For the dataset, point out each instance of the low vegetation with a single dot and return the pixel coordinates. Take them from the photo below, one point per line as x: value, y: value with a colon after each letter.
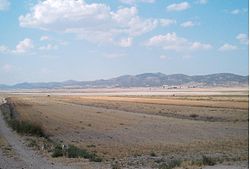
x: 74, y: 152
x: 32, y: 129
x: 152, y: 154
x: 57, y: 151
x: 170, y: 165
x: 208, y: 160
x: 25, y: 127
x: 22, y: 127
x: 194, y: 115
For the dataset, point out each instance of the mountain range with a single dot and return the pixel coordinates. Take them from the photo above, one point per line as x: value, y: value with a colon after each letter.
x: 143, y: 80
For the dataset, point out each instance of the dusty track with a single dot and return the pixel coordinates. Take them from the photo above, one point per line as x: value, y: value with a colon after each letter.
x: 25, y: 157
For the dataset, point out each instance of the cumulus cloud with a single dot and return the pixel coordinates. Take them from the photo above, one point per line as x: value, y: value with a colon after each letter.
x: 171, y: 41
x: 131, y: 2
x: 95, y: 22
x: 127, y: 42
x: 48, y: 47
x: 4, y: 5
x: 167, y: 22
x: 199, y: 45
x: 24, y: 45
x: 243, y: 38
x: 187, y: 24
x: 178, y: 6
x: 227, y: 47
x: 44, y: 38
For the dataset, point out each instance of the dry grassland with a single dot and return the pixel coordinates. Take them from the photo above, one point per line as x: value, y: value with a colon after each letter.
x: 124, y: 127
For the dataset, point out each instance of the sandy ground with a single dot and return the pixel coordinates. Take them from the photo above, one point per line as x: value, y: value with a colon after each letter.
x: 127, y: 128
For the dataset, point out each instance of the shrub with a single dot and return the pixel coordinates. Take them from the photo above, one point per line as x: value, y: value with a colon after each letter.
x: 91, y: 145
x: 153, y: 154
x: 25, y: 127
x: 22, y: 127
x: 194, y: 115
x: 208, y: 161
x: 116, y: 166
x: 32, y: 143
x: 75, y: 152
x: 170, y: 165
x: 57, y: 151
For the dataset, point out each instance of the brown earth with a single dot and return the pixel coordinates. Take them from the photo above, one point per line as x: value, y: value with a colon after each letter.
x: 130, y: 128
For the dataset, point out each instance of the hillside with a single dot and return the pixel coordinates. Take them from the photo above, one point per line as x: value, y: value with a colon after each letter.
x: 144, y: 80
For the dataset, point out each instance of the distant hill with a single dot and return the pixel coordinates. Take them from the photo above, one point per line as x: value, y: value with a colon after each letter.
x: 144, y: 80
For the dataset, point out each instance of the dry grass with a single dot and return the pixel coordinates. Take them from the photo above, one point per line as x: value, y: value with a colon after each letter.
x: 124, y: 126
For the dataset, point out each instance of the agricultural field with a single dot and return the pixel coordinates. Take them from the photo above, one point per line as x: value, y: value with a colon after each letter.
x: 145, y: 131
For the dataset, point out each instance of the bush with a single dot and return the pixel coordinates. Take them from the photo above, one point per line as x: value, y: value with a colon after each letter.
x: 116, y: 166
x: 22, y: 127
x: 153, y: 154
x: 208, y: 161
x: 170, y: 165
x: 32, y: 143
x: 25, y: 127
x: 57, y: 151
x: 75, y: 152
x: 194, y: 115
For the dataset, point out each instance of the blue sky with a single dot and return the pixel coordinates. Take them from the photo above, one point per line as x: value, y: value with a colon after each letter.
x: 57, y: 40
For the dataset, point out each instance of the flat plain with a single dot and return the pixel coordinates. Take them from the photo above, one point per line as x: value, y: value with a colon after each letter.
x: 133, y: 129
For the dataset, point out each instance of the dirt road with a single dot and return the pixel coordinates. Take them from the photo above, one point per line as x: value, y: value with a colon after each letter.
x: 23, y: 157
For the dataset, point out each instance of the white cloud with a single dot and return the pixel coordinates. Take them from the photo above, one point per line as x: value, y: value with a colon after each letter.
x: 24, y: 45
x: 85, y: 20
x: 171, y: 41
x: 167, y: 22
x: 198, y: 45
x: 235, y: 11
x: 238, y: 11
x: 132, y: 2
x: 178, y: 6
x: 227, y: 47
x: 44, y: 38
x: 187, y: 24
x: 126, y: 42
x: 243, y: 38
x: 4, y: 5
x: 7, y: 68
x: 202, y: 2
x: 48, y: 47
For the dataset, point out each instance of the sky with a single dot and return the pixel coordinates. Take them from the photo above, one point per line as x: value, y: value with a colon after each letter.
x: 58, y: 40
